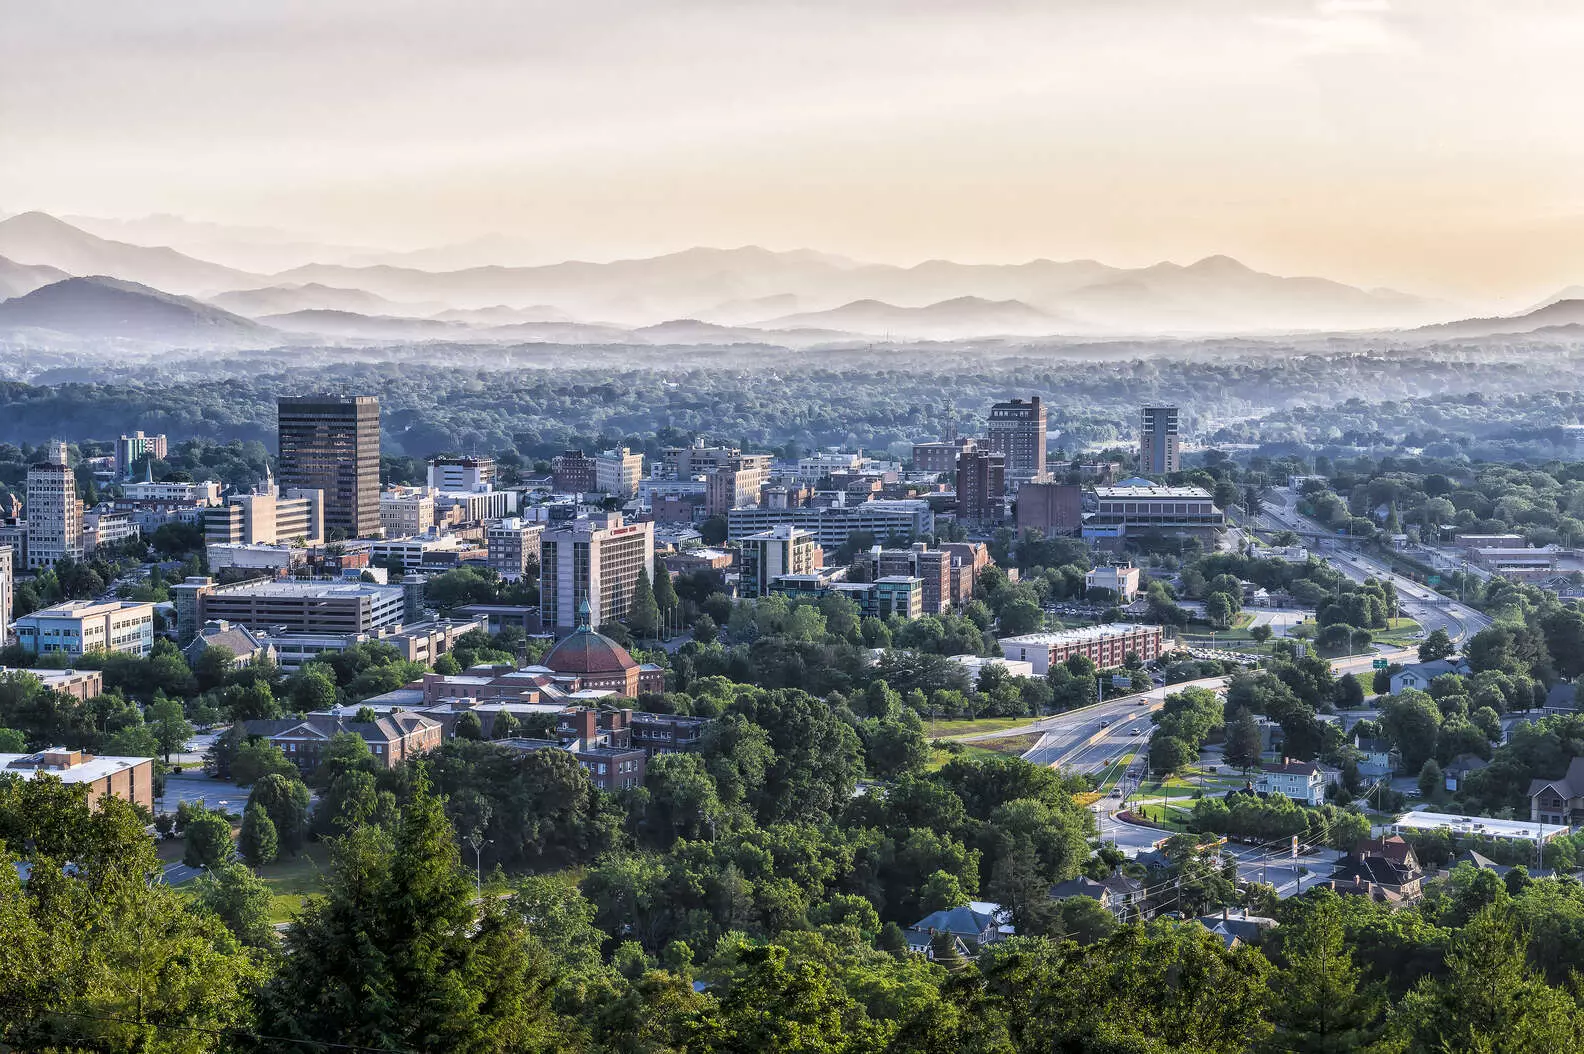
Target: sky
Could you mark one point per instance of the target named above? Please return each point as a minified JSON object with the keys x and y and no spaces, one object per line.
{"x":1426,"y":145}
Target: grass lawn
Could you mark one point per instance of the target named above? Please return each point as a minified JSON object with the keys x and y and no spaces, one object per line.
{"x":293,"y":879}
{"x":1401,"y":632}
{"x":1169,"y":816}
{"x":1014,"y":745}
{"x":951,"y":729}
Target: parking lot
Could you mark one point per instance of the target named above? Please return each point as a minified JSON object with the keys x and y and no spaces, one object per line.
{"x":196,"y":787}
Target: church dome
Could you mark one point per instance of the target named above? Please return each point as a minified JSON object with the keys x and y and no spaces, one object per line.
{"x":587,"y":653}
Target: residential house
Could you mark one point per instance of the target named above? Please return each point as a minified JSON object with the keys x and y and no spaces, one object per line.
{"x":1385,"y":864}
{"x":1420,"y":674}
{"x":1237,"y":927}
{"x":1460,"y":768}
{"x":245,"y":647}
{"x":975,"y":923}
{"x":1377,"y":757}
{"x":1302,"y":781}
{"x":1559,"y":801}
{"x":1118,"y":894}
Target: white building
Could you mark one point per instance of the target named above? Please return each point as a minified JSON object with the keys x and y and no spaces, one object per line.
{"x":462,"y":473}
{"x":1302,"y":781}
{"x":817,"y":467}
{"x":406,"y":511}
{"x":54,"y":514}
{"x":977,"y":664}
{"x":617,"y":472}
{"x":476,"y":505}
{"x":205,"y":493}
{"x":1123,"y":581}
{"x":81,"y":626}
{"x":596,"y":559}
{"x":256,"y":557}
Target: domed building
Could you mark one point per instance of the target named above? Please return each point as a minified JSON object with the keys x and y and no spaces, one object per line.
{"x":600,"y":663}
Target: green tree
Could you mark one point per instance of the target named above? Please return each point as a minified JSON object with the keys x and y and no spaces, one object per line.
{"x":168,"y":721}
{"x":1438,"y":645}
{"x":257,"y":842}
{"x":469,"y":726}
{"x":208,"y":835}
{"x":241,"y":899}
{"x":1321,"y":1002}
{"x":285,"y":799}
{"x":257,"y":758}
{"x":1430,"y":779}
{"x":1244,"y":743}
{"x":398,"y":954}
{"x":643,"y":614}
{"x":1168,"y":754}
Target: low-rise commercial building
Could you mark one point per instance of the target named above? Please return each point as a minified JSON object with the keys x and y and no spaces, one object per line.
{"x":1123,"y":581}
{"x":1106,"y":646}
{"x":79,"y":684}
{"x":302,"y":607}
{"x":1125,"y":510}
{"x":513,"y":546}
{"x":78,"y":627}
{"x":406,"y":511}
{"x":431,"y":552}
{"x":131,"y":779}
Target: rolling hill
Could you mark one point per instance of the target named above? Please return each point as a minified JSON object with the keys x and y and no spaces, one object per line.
{"x":948,"y":319}
{"x":17,"y":279}
{"x":99,"y":308}
{"x":1558,"y":313}
{"x":311,"y":296}
{"x":39,"y":238}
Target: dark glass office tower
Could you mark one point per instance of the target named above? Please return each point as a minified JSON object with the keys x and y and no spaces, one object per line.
{"x":332,"y":443}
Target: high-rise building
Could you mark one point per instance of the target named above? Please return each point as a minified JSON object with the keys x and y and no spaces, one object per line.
{"x":617,"y":472}
{"x":133,"y":450}
{"x":1160,"y":447}
{"x":981,"y":485}
{"x":462,"y":473}
{"x":782,"y":550}
{"x":332,"y":443}
{"x":7,"y":587}
{"x":54,"y":514}
{"x":596,"y":560}
{"x":1017,"y":429}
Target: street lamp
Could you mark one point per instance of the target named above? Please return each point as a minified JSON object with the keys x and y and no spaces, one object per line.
{"x":478,"y":843}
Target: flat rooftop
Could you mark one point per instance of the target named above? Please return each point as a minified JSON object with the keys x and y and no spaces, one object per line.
{"x":311,"y":590}
{"x":1146,"y":493}
{"x":1525,"y":830}
{"x":88,"y":770}
{"x":1081,"y":635}
{"x":85,"y":608}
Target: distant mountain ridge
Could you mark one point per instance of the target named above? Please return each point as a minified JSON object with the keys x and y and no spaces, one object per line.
{"x":101,"y":308}
{"x":754,"y":286}
{"x":1555,"y":313}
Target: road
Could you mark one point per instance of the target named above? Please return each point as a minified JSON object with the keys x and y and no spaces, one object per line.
{"x":1273,"y":863}
{"x":1429,"y":608}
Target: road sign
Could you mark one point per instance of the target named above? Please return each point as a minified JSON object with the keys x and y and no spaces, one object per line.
{"x":1380,"y":664}
{"x":1433,"y":580}
{"x":1121,"y":680}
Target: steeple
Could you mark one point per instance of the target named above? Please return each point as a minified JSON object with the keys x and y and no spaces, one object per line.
{"x":583,"y":614}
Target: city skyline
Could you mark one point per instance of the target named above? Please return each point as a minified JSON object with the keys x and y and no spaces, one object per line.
{"x":1378,"y":143}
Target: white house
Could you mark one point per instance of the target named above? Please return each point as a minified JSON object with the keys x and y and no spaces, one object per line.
{"x":1420,"y":674}
{"x":1302,"y":781}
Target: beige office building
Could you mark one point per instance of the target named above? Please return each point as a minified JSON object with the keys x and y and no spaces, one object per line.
{"x":54,"y":514}
{"x":595,"y":559}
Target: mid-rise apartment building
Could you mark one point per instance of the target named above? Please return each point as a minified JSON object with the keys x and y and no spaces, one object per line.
{"x":406,"y":511}
{"x":331,"y":444}
{"x":78,"y":627}
{"x":782,"y":550}
{"x":1106,"y":646}
{"x":981,"y":486}
{"x":594,"y":560}
{"x":941,"y":457}
{"x":617,"y":472}
{"x":935,"y":568}
{"x":138,"y":449}
{"x":54,"y":513}
{"x":1160,"y":444}
{"x":513,"y":547}
{"x":574,"y":472}
{"x":889,"y":521}
{"x":736,"y":483}
{"x":1017,"y":429}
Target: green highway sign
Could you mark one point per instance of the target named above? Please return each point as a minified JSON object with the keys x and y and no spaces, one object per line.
{"x":1433,"y":580}
{"x":1379,"y":664}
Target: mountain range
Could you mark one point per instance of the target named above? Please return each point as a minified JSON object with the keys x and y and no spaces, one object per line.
{"x":743,"y":287}
{"x":101,"y":308}
{"x":1567,"y":312}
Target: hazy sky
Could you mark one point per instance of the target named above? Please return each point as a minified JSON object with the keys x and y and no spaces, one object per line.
{"x":1432,"y":145}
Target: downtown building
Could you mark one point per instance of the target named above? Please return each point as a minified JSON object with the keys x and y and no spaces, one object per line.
{"x":596,"y":561}
{"x":54,"y":513}
{"x":981,"y":486}
{"x":1017,"y":429}
{"x":137,"y":449}
{"x":331,"y":444}
{"x":1106,"y":646}
{"x":766,"y":556}
{"x":889,"y":521}
{"x":1160,"y":442}
{"x":77,"y":627}
{"x":513,"y":547}
{"x":269,"y":517}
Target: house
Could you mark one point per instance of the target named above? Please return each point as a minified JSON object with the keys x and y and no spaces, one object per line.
{"x":1480,"y":861}
{"x":1302,"y":781}
{"x":1459,"y":768}
{"x":1561,"y":698}
{"x":1236,"y":927}
{"x":975,"y":923}
{"x":1420,"y":674}
{"x":240,"y":641}
{"x":1559,"y":801}
{"x":1118,"y":894}
{"x":1389,"y":864}
{"x":1377,"y":757}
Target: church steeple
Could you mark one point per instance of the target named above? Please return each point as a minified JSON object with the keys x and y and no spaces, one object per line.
{"x":584,"y":614}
